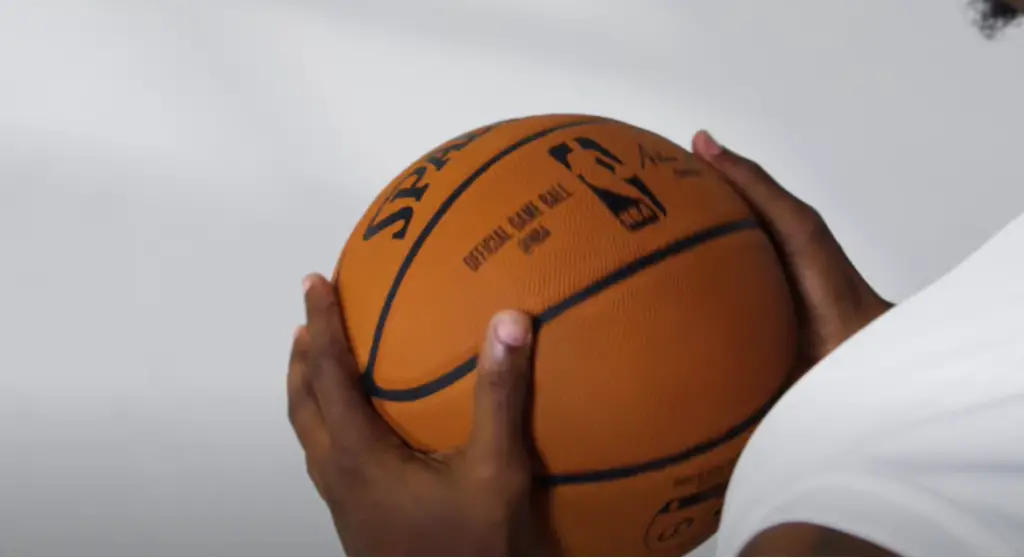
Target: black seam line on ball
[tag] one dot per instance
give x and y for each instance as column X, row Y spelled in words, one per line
column 618, row 473
column 625, row 272
column 367, row 378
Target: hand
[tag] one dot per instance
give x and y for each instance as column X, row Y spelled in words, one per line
column 833, row 301
column 387, row 499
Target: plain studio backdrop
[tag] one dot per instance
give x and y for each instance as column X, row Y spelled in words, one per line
column 170, row 170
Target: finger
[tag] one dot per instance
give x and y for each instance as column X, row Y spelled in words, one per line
column 812, row 254
column 351, row 421
column 782, row 212
column 303, row 412
column 504, row 371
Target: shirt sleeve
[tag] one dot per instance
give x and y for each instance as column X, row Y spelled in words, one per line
column 950, row 486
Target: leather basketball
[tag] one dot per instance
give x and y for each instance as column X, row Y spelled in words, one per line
column 665, row 325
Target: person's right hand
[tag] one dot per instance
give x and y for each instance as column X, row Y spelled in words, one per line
column 833, row 301
column 391, row 500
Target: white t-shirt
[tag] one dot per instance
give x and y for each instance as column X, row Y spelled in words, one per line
column 911, row 434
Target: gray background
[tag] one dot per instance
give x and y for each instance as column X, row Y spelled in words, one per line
column 170, row 170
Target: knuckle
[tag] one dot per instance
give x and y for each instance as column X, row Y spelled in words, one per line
column 298, row 408
column 497, row 381
column 313, row 471
column 323, row 303
column 748, row 168
column 299, row 346
column 506, row 379
column 295, row 407
column 293, row 411
column 317, row 306
column 322, row 297
column 753, row 167
column 812, row 225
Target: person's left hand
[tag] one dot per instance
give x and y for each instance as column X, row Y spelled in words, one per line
column 386, row 498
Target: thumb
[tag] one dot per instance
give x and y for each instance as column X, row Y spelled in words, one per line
column 504, row 370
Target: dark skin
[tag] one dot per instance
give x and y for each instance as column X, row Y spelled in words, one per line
column 804, row 539
column 388, row 499
column 833, row 301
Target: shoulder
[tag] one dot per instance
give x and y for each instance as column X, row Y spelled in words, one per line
column 906, row 436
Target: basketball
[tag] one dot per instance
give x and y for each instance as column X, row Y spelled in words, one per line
column 666, row 329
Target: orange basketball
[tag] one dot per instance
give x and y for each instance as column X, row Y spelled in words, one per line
column 666, row 327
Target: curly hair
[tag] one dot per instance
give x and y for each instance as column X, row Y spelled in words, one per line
column 992, row 16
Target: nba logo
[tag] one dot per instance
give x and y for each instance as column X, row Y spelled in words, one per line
column 626, row 197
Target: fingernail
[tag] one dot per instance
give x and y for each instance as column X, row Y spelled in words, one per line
column 298, row 331
column 709, row 145
column 510, row 330
column 307, row 282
